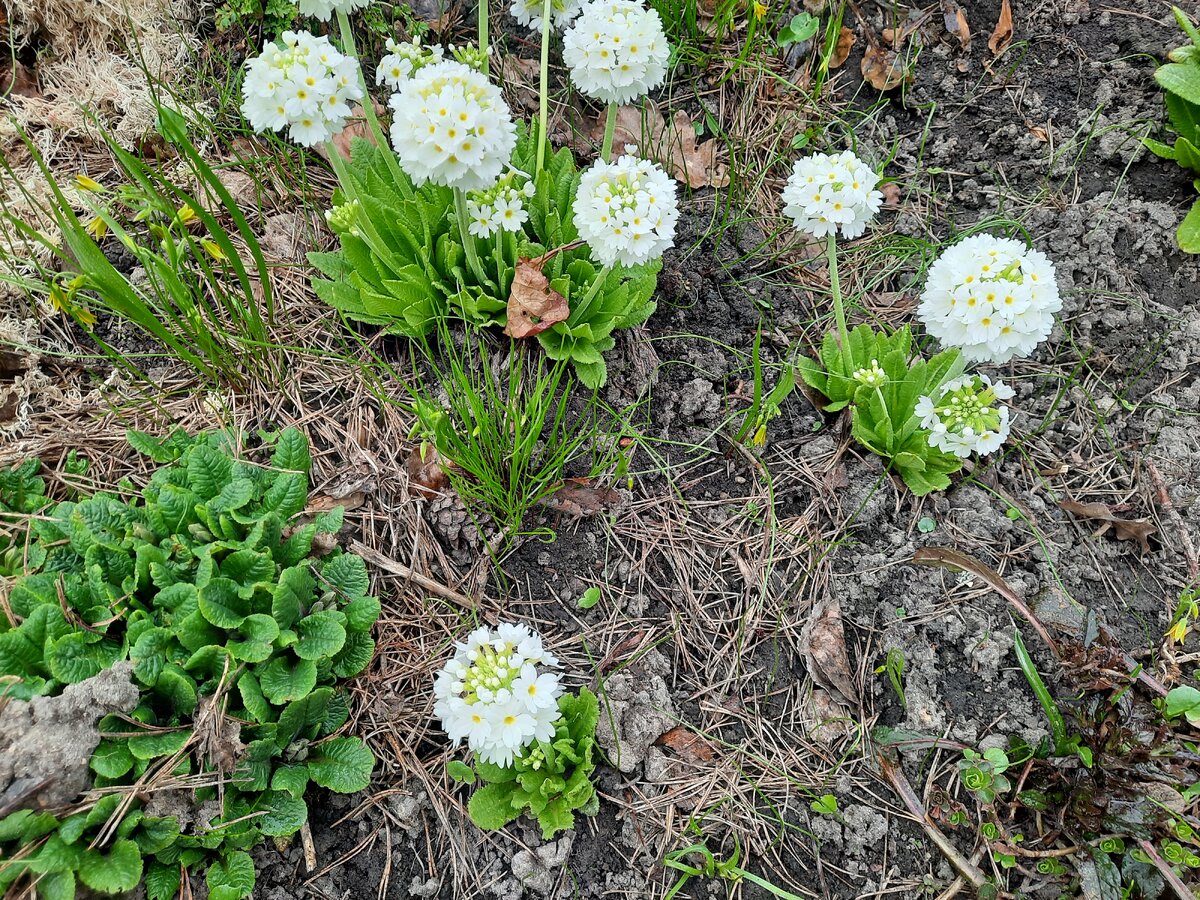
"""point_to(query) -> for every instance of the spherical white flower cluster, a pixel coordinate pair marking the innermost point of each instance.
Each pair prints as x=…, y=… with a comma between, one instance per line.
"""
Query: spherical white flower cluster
x=827, y=194
x=403, y=59
x=306, y=86
x=964, y=416
x=492, y=695
x=499, y=208
x=323, y=9
x=617, y=50
x=626, y=211
x=452, y=127
x=529, y=12
x=992, y=297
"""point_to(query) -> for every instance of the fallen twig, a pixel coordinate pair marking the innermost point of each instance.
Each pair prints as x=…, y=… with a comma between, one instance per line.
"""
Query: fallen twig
x=1168, y=508
x=1181, y=890
x=394, y=568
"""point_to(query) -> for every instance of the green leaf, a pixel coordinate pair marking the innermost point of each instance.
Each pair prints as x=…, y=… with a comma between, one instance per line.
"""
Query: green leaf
x=285, y=814
x=1183, y=700
x=287, y=494
x=321, y=636
x=252, y=698
x=158, y=743
x=1188, y=234
x=162, y=881
x=112, y=758
x=118, y=870
x=56, y=886
x=232, y=877
x=222, y=605
x=282, y=679
x=302, y=717
x=1181, y=79
x=161, y=451
x=343, y=765
x=76, y=657
x=291, y=452
x=259, y=627
x=556, y=817
x=355, y=656
x=460, y=772
x=208, y=471
x=347, y=574
x=491, y=807
x=248, y=567
x=233, y=496
x=361, y=613
x=590, y=598
x=292, y=595
x=290, y=779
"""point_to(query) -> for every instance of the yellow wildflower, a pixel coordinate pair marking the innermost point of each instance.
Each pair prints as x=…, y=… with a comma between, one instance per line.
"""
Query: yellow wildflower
x=760, y=10
x=185, y=215
x=96, y=227
x=1178, y=631
x=88, y=184
x=213, y=250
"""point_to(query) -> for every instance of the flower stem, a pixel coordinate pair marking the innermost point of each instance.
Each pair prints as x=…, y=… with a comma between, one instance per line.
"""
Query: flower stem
x=483, y=25
x=577, y=314
x=468, y=239
x=610, y=129
x=368, y=104
x=839, y=310
x=544, y=89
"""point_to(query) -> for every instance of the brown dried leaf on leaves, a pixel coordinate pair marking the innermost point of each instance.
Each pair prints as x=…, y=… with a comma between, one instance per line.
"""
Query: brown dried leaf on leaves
x=18, y=80
x=824, y=644
x=325, y=502
x=1002, y=35
x=1138, y=530
x=882, y=68
x=673, y=145
x=956, y=23
x=580, y=498
x=356, y=127
x=841, y=52
x=533, y=306
x=688, y=746
x=426, y=477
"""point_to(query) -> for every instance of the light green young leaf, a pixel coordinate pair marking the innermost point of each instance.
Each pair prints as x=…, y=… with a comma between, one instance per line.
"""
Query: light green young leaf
x=231, y=878
x=342, y=764
x=112, y=872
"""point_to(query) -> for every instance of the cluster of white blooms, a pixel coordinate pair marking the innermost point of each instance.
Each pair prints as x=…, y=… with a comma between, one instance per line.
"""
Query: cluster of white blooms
x=828, y=194
x=872, y=377
x=616, y=50
x=964, y=417
x=994, y=298
x=306, y=86
x=500, y=207
x=626, y=211
x=404, y=58
x=323, y=9
x=529, y=12
x=451, y=126
x=492, y=695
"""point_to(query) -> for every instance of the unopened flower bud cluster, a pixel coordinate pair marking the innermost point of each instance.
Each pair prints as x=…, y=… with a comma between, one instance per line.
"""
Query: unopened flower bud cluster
x=403, y=58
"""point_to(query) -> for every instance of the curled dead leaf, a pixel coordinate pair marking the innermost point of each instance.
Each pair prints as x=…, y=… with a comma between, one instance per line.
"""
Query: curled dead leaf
x=671, y=144
x=426, y=477
x=520, y=74
x=841, y=52
x=956, y=23
x=688, y=746
x=533, y=306
x=882, y=68
x=1138, y=530
x=580, y=498
x=356, y=127
x=1002, y=35
x=823, y=641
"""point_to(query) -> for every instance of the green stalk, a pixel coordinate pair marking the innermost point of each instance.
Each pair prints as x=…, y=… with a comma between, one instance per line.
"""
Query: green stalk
x=468, y=239
x=483, y=25
x=381, y=140
x=577, y=313
x=610, y=129
x=835, y=289
x=543, y=90
x=1058, y=726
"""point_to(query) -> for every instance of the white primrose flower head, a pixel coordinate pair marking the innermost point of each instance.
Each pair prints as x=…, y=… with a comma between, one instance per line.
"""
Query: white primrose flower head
x=404, y=58
x=500, y=207
x=493, y=695
x=324, y=9
x=992, y=297
x=305, y=86
x=451, y=126
x=617, y=50
x=529, y=13
x=626, y=211
x=966, y=416
x=832, y=194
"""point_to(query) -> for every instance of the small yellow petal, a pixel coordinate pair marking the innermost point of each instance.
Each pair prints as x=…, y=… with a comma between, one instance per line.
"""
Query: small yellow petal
x=213, y=250
x=88, y=184
x=96, y=227
x=85, y=317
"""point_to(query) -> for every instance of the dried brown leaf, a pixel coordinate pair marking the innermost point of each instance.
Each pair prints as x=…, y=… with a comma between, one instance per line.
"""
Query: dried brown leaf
x=824, y=645
x=426, y=477
x=956, y=23
x=533, y=306
x=1138, y=530
x=673, y=145
x=1002, y=35
x=580, y=498
x=325, y=502
x=841, y=52
x=882, y=68
x=688, y=746
x=521, y=75
x=356, y=127
x=18, y=80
